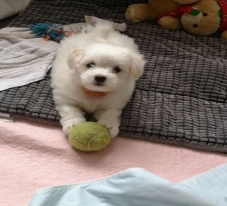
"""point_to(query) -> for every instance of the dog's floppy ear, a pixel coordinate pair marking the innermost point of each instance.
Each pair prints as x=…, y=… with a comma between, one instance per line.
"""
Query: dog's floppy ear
x=137, y=65
x=75, y=58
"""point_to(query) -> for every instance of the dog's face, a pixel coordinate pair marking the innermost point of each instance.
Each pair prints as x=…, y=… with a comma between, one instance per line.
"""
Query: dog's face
x=105, y=68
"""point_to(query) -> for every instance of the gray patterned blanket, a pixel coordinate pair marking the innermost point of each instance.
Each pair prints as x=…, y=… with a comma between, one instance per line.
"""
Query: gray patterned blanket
x=181, y=98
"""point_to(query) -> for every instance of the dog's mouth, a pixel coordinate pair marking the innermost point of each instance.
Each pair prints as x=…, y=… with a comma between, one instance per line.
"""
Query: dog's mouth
x=97, y=87
x=94, y=93
x=98, y=84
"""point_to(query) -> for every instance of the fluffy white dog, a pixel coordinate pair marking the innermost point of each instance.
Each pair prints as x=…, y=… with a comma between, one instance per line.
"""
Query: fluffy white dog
x=95, y=72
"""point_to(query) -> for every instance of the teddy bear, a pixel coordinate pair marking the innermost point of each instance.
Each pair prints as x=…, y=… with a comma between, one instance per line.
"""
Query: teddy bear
x=154, y=10
x=203, y=18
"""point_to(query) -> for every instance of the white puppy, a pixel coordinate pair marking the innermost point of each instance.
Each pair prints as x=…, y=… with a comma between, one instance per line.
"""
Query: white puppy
x=95, y=72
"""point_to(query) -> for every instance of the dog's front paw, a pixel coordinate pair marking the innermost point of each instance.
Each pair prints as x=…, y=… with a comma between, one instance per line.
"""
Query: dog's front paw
x=114, y=131
x=69, y=124
x=111, y=126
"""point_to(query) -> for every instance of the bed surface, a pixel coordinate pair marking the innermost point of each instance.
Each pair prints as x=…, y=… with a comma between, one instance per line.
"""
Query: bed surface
x=35, y=156
x=181, y=98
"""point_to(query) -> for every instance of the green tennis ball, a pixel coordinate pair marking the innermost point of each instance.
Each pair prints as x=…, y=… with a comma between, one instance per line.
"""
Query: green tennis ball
x=89, y=137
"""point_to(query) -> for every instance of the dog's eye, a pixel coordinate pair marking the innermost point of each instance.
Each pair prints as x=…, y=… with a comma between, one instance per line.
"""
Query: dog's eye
x=205, y=14
x=116, y=69
x=90, y=65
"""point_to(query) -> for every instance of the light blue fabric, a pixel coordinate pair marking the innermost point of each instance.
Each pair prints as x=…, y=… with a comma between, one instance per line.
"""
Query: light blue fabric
x=138, y=187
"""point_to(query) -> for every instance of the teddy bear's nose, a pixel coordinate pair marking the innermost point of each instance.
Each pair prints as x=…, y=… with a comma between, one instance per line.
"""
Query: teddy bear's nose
x=195, y=25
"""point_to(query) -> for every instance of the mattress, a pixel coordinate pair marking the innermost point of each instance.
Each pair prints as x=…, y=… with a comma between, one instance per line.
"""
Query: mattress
x=180, y=99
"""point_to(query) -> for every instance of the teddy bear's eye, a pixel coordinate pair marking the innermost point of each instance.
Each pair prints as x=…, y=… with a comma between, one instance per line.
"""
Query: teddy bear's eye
x=195, y=25
x=116, y=69
x=205, y=14
x=90, y=65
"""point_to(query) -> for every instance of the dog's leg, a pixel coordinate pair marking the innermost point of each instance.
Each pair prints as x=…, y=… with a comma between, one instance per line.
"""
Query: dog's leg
x=70, y=116
x=109, y=118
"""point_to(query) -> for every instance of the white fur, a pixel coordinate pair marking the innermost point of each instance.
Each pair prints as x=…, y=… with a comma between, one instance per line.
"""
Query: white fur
x=106, y=48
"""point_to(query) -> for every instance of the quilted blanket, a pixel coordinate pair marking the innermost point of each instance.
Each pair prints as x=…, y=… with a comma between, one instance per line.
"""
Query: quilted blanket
x=181, y=98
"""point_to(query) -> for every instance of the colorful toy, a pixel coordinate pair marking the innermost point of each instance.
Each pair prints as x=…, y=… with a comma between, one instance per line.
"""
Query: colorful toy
x=203, y=18
x=50, y=31
x=89, y=137
x=154, y=10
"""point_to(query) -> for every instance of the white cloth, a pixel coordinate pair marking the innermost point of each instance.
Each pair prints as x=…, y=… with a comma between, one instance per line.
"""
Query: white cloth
x=23, y=58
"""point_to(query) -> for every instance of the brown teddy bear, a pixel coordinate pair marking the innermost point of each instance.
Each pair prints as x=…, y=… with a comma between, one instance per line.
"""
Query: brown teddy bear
x=155, y=9
x=203, y=18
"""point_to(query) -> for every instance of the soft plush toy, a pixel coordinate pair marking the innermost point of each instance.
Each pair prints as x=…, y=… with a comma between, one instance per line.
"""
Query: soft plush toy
x=154, y=10
x=203, y=18
x=89, y=137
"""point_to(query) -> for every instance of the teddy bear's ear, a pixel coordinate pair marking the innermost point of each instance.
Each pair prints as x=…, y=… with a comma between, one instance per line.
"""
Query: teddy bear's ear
x=74, y=58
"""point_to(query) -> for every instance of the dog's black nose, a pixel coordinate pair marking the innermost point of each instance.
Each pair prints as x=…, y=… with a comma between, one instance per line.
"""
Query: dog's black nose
x=100, y=79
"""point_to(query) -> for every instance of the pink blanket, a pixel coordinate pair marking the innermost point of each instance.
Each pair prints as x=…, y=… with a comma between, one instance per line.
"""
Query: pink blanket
x=33, y=156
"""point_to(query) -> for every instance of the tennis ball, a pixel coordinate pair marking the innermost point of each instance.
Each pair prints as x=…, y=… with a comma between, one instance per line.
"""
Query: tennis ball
x=89, y=137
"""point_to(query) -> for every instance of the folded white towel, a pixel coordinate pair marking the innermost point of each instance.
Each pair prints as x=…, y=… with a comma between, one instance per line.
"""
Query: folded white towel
x=23, y=58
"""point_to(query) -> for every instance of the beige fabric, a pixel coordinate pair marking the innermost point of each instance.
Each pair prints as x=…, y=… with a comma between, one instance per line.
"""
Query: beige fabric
x=11, y=7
